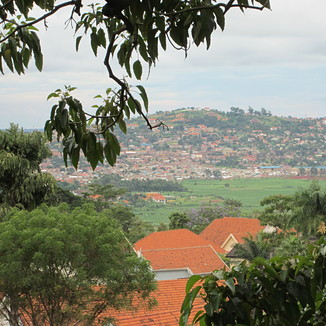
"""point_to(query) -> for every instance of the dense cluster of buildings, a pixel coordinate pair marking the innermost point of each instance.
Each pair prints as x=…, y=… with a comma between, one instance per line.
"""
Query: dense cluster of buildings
x=258, y=147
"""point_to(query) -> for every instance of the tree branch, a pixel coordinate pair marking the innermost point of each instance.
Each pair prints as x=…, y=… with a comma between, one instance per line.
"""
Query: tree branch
x=201, y=8
x=45, y=16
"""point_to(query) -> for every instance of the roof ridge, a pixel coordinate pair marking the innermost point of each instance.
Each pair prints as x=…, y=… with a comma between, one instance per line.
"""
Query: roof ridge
x=192, y=247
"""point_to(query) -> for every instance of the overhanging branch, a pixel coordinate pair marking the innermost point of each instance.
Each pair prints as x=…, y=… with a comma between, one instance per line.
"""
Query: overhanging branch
x=42, y=18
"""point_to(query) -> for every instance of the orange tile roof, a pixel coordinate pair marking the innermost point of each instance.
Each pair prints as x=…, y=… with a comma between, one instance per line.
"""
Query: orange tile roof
x=200, y=260
x=169, y=296
x=218, y=231
x=180, y=238
x=155, y=195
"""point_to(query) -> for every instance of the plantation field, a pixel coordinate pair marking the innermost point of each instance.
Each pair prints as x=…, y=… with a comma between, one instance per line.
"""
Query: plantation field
x=249, y=191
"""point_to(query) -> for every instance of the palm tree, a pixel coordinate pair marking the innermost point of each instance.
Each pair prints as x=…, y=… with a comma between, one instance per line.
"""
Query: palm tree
x=309, y=210
x=252, y=248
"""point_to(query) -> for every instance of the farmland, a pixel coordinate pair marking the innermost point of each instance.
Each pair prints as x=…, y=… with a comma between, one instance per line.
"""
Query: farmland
x=249, y=191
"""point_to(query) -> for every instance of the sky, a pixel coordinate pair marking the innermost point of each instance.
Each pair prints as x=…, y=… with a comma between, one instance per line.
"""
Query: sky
x=263, y=59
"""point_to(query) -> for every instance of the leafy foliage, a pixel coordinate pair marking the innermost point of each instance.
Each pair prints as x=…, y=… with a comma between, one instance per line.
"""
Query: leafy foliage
x=136, y=185
x=72, y=266
x=21, y=181
x=305, y=210
x=197, y=219
x=134, y=33
x=280, y=291
x=309, y=210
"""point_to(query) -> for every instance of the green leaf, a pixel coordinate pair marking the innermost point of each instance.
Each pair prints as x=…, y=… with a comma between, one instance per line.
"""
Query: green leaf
x=26, y=55
x=131, y=105
x=200, y=314
x=1, y=67
x=101, y=37
x=220, y=18
x=138, y=70
x=109, y=155
x=209, y=309
x=230, y=284
x=162, y=38
x=94, y=43
x=38, y=61
x=75, y=157
x=123, y=126
x=64, y=120
x=48, y=129
x=143, y=96
x=78, y=39
x=7, y=56
x=267, y=267
x=99, y=148
x=191, y=281
x=52, y=95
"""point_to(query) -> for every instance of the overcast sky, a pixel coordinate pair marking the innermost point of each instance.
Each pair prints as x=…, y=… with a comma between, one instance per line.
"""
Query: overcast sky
x=272, y=59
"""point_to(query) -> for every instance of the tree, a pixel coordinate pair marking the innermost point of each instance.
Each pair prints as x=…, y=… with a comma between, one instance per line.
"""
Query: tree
x=302, y=171
x=178, y=221
x=105, y=193
x=314, y=171
x=280, y=291
x=252, y=248
x=309, y=210
x=22, y=183
x=277, y=211
x=217, y=174
x=60, y=267
x=208, y=173
x=130, y=31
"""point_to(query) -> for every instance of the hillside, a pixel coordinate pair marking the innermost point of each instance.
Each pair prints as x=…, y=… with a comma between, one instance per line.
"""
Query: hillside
x=199, y=142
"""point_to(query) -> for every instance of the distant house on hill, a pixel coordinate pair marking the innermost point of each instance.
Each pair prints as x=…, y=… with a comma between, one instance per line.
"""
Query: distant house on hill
x=228, y=231
x=179, y=253
x=156, y=197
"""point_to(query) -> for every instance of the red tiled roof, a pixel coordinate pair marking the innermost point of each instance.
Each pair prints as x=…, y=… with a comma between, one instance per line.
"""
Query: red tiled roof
x=218, y=231
x=200, y=260
x=169, y=296
x=155, y=196
x=180, y=238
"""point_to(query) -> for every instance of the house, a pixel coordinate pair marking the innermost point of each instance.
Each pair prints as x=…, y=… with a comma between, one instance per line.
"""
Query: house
x=156, y=197
x=179, y=253
x=228, y=231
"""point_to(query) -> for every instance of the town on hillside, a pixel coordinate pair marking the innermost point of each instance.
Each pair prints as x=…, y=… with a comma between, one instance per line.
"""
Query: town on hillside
x=204, y=143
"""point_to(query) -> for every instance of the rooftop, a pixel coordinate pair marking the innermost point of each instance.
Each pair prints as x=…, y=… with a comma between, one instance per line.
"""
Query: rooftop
x=171, y=239
x=200, y=260
x=219, y=230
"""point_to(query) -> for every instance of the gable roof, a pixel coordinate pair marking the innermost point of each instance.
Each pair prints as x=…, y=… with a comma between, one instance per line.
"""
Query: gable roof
x=180, y=238
x=220, y=229
x=200, y=259
x=169, y=296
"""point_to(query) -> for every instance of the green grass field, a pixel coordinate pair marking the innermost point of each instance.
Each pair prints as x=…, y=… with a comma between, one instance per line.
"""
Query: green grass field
x=249, y=191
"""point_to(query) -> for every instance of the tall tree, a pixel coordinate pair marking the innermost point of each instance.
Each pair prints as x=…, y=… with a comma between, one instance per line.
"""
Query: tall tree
x=178, y=221
x=131, y=32
x=252, y=248
x=277, y=211
x=309, y=210
x=62, y=268
x=21, y=181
